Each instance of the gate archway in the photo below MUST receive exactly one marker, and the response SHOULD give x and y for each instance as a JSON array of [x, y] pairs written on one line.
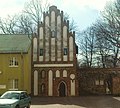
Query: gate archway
[[62, 89]]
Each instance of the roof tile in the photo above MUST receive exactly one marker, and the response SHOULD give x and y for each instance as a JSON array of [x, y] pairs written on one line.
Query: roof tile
[[10, 43]]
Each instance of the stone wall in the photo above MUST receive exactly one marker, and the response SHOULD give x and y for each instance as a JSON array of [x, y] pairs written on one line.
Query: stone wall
[[116, 85], [99, 81]]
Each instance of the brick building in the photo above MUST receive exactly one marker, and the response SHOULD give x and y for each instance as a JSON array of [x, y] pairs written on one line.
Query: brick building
[[54, 57]]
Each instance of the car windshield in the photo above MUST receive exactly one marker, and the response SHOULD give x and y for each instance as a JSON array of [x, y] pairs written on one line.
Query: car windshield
[[10, 96]]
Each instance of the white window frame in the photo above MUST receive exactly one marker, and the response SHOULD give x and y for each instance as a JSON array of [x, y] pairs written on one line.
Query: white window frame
[[99, 82], [13, 84], [12, 62]]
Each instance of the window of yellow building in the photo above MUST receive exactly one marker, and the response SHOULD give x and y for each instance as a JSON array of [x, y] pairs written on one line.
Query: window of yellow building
[[13, 62], [13, 84]]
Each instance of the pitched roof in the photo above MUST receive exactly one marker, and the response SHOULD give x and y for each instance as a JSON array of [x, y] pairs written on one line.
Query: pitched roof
[[10, 43]]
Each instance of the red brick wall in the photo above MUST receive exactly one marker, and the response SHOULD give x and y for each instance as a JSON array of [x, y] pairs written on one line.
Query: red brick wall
[[116, 85]]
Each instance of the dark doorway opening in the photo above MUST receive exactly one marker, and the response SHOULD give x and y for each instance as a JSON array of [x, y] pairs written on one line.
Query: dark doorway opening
[[62, 90]]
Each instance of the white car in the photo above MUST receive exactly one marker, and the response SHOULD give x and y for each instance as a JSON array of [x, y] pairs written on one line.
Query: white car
[[15, 99]]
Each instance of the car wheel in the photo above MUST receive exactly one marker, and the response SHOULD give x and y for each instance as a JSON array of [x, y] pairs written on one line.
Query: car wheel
[[17, 106]]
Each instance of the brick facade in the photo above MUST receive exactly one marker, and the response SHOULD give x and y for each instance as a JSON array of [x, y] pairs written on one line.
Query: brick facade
[[116, 85], [54, 57]]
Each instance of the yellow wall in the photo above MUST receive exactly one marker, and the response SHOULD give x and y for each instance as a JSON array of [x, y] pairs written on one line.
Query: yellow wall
[[22, 72]]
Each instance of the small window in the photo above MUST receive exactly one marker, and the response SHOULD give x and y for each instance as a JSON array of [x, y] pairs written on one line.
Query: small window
[[99, 82], [13, 84], [41, 52], [65, 51], [13, 62], [96, 82]]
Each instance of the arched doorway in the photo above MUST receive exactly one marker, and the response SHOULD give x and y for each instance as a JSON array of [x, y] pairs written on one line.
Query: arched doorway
[[62, 89]]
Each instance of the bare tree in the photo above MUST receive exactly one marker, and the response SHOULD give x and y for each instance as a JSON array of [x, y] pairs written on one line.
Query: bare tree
[[8, 25], [17, 24], [88, 47], [109, 30], [34, 9], [26, 22], [111, 16], [25, 25]]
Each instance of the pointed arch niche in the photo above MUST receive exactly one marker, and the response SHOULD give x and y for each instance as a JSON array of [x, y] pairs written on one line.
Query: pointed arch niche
[[57, 73], [62, 89], [47, 38], [64, 73], [71, 48], [35, 82], [35, 49], [50, 83]]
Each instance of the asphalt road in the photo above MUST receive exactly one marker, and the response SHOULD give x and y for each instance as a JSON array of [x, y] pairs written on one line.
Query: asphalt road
[[76, 102]]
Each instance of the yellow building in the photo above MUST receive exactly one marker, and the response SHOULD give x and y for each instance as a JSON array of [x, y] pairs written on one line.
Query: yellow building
[[15, 63]]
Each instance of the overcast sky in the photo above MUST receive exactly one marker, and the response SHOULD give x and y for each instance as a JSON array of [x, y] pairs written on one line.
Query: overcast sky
[[84, 12]]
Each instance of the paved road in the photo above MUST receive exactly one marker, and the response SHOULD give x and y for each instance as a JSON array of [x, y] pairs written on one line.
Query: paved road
[[76, 102]]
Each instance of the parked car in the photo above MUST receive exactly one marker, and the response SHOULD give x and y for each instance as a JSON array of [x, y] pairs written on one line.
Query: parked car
[[15, 99]]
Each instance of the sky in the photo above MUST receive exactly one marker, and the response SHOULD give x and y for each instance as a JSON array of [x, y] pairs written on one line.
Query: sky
[[83, 12]]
